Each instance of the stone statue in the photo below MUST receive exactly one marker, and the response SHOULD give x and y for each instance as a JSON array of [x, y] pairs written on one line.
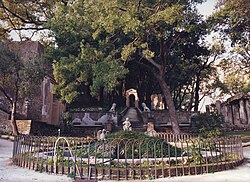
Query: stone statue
[[87, 120], [112, 109], [151, 130], [101, 135], [127, 125], [145, 108]]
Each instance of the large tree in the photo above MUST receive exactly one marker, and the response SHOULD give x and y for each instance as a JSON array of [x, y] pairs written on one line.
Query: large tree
[[160, 36], [18, 79], [231, 21]]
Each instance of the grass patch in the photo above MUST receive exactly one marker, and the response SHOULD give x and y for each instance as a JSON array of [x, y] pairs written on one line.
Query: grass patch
[[245, 135]]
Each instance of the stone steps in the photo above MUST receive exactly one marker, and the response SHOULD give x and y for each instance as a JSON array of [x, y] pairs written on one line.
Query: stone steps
[[135, 119]]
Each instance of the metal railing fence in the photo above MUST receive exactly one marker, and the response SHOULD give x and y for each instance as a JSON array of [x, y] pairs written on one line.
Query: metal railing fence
[[117, 159]]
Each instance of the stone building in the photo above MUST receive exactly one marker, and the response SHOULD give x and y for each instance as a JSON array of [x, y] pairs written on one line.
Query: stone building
[[236, 111], [43, 106]]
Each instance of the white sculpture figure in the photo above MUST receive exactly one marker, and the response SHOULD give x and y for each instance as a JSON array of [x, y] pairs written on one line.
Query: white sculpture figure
[[112, 109], [103, 119], [145, 108], [77, 121], [101, 135], [151, 130], [87, 120], [127, 125]]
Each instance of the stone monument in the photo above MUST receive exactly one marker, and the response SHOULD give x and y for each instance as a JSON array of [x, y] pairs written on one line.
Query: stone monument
[[112, 109], [150, 130], [101, 135], [145, 108]]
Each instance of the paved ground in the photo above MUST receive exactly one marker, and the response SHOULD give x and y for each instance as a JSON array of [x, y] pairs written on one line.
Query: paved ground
[[11, 173]]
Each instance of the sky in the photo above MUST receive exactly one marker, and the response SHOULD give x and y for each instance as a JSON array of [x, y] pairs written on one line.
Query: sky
[[207, 7]]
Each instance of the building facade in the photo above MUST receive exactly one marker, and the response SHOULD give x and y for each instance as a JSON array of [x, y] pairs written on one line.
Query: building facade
[[236, 111], [42, 106]]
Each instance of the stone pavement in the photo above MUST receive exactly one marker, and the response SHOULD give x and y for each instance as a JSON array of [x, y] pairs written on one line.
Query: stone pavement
[[12, 173]]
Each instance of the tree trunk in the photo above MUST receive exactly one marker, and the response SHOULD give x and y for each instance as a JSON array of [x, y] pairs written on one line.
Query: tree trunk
[[13, 119], [191, 100], [169, 101], [196, 96]]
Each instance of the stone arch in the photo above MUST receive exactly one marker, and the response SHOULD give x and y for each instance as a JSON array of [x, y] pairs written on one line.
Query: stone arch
[[133, 93]]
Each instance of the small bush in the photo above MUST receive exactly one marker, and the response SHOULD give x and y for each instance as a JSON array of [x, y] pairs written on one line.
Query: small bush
[[149, 146], [208, 124]]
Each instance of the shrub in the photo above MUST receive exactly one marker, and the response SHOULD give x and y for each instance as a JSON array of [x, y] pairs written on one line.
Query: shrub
[[149, 146], [208, 124]]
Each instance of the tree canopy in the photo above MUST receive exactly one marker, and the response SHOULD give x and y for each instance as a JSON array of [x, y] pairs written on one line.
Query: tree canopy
[[232, 21], [103, 47], [97, 39], [25, 15]]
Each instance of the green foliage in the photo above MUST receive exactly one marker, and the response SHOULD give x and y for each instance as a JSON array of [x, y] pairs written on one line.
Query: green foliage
[[18, 78], [231, 22], [149, 146], [40, 168], [3, 132], [106, 74], [194, 153], [128, 135], [25, 15], [95, 38], [82, 58], [208, 124], [67, 122], [72, 175]]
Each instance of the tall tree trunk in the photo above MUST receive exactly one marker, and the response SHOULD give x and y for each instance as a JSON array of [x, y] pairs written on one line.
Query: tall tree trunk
[[169, 101], [13, 119], [196, 96], [191, 101], [160, 76]]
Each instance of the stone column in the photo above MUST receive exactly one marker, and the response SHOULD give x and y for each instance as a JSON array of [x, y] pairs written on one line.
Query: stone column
[[242, 109], [236, 115], [248, 111], [218, 106]]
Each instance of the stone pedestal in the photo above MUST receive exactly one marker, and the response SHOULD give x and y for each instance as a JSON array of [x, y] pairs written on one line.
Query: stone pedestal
[[109, 125]]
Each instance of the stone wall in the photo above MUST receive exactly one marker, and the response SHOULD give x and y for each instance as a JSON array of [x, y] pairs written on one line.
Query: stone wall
[[23, 126], [51, 107], [27, 50], [4, 123], [41, 106], [162, 117], [236, 111]]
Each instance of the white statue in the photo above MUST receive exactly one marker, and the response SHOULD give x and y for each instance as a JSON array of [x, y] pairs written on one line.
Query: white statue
[[151, 130], [112, 109], [101, 135], [77, 121], [145, 108], [127, 125], [87, 120]]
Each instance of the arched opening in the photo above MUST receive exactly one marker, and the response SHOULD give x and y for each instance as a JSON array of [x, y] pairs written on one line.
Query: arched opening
[[132, 100]]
